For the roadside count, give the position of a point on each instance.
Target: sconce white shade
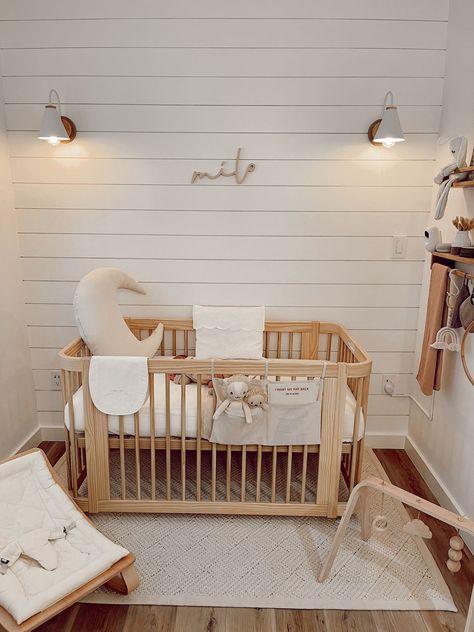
(388, 130)
(52, 128)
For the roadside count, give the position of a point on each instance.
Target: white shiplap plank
(304, 119)
(397, 363)
(179, 172)
(183, 271)
(238, 198)
(285, 62)
(226, 91)
(220, 223)
(224, 33)
(375, 318)
(373, 341)
(371, 9)
(227, 247)
(200, 146)
(62, 292)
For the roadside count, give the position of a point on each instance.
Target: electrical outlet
(56, 380)
(389, 384)
(399, 247)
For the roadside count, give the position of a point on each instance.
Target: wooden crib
(143, 472)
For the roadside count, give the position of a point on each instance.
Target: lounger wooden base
(121, 577)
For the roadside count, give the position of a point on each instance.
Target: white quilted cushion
(31, 499)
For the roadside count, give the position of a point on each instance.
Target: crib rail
(127, 467)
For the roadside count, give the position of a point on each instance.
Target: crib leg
(125, 582)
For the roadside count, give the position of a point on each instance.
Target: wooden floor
(98, 618)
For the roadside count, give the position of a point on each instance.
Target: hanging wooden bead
(455, 553)
(454, 567)
(456, 543)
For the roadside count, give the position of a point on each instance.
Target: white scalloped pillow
(229, 332)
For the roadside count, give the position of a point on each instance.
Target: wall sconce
(55, 128)
(387, 130)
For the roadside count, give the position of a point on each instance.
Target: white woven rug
(273, 562)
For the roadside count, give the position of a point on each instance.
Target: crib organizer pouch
(291, 417)
(301, 456)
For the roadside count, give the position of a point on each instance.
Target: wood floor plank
(402, 472)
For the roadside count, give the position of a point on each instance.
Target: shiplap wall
(158, 90)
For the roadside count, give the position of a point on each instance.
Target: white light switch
(399, 247)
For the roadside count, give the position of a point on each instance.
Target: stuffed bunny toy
(235, 389)
(256, 397)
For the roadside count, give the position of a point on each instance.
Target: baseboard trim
(434, 482)
(385, 441)
(52, 433)
(32, 441)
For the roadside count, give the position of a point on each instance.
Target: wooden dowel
(259, 473)
(162, 345)
(279, 344)
(168, 436)
(183, 439)
(290, 346)
(228, 472)
(243, 481)
(122, 458)
(186, 343)
(72, 433)
(137, 454)
(198, 438)
(151, 390)
(213, 475)
(329, 347)
(355, 435)
(304, 472)
(288, 473)
(274, 472)
(174, 341)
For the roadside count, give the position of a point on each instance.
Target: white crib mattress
(207, 407)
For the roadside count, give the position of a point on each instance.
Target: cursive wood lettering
(199, 175)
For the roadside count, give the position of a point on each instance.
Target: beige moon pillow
(99, 320)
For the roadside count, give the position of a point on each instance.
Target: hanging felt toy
(257, 397)
(232, 392)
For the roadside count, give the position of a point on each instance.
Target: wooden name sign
(199, 175)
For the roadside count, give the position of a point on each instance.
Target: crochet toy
(189, 378)
(233, 392)
(257, 397)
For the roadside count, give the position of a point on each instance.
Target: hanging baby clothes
(461, 297)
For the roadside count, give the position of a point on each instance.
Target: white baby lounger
(51, 555)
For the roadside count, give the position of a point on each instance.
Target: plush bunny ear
(99, 320)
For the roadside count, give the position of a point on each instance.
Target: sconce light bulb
(388, 142)
(53, 140)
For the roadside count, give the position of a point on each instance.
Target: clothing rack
(460, 273)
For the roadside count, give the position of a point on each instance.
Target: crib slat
(228, 472)
(266, 349)
(213, 475)
(329, 347)
(162, 345)
(244, 474)
(290, 345)
(72, 433)
(259, 473)
(168, 436)
(279, 344)
(198, 438)
(122, 457)
(355, 434)
(289, 464)
(304, 472)
(151, 390)
(137, 454)
(186, 343)
(183, 439)
(274, 472)
(174, 341)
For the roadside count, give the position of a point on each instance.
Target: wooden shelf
(455, 258)
(464, 184)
